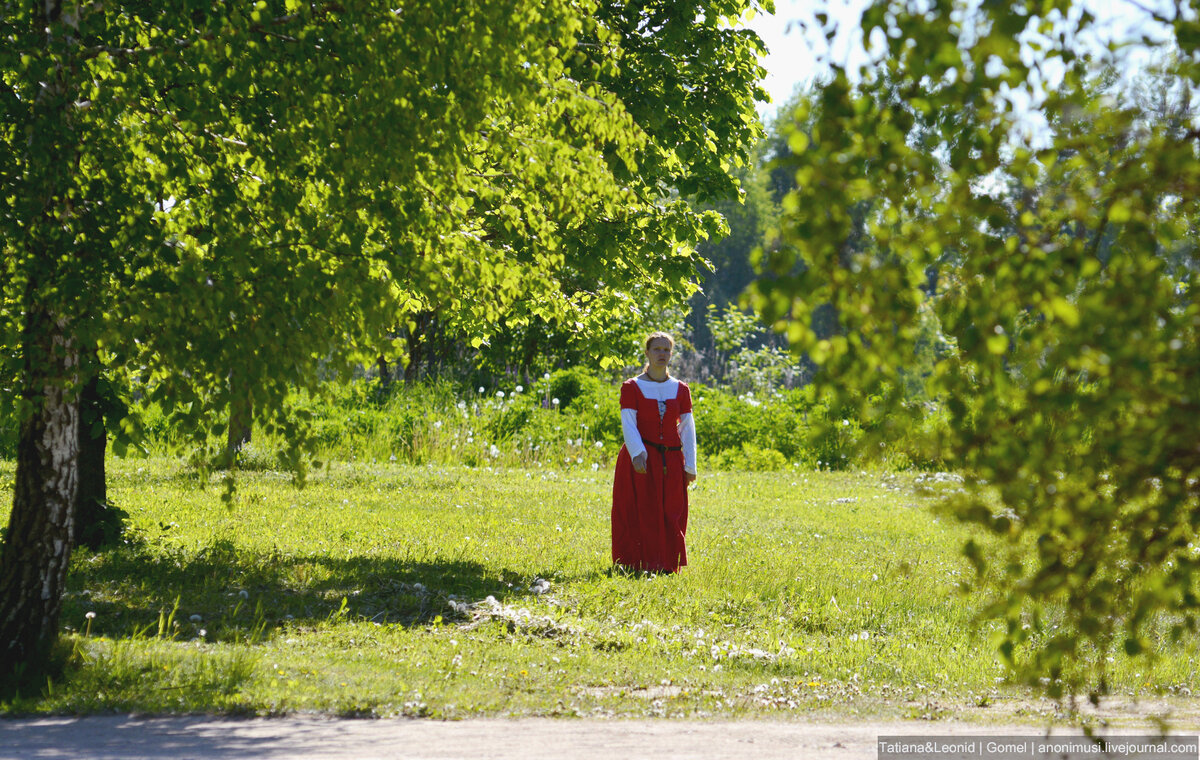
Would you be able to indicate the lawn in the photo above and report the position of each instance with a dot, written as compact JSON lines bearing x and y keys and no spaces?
{"x":388,"y":589}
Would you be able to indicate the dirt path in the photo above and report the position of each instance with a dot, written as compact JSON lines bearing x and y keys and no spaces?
{"x":203,"y":738}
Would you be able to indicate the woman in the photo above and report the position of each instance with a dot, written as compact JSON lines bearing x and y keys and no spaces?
{"x":655,"y":466}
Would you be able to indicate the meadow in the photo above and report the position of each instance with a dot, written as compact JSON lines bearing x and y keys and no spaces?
{"x":383,"y":589}
{"x":447,"y":555}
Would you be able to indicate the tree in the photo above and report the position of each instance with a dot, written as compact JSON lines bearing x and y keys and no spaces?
{"x":222,"y":202}
{"x":688,"y":78}
{"x":1065,"y":274}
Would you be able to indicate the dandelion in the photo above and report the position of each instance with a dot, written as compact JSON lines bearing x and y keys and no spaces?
{"x":546,"y":376}
{"x":244,"y":594}
{"x":90,"y":617}
{"x":554,"y":401}
{"x":196,"y":619}
{"x":599,"y":444}
{"x":518,"y":389}
{"x":481,"y":389}
{"x":499,"y":394}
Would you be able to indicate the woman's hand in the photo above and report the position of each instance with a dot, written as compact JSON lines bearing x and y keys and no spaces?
{"x":689,"y":477}
{"x":639,"y":463}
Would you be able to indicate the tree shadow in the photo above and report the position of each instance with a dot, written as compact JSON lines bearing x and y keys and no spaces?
{"x":223,"y":593}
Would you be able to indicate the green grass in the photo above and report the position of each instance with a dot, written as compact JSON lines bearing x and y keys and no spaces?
{"x":387,"y":589}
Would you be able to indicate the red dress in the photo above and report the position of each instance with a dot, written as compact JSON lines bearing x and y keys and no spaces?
{"x":649,"y":511}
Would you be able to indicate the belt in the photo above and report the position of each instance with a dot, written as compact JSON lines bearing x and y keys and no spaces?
{"x":661,"y":448}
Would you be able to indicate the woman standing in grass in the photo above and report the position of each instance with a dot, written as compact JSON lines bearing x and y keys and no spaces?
{"x":654,"y":467}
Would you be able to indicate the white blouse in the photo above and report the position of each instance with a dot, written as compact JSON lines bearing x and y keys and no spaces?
{"x":660,"y":392}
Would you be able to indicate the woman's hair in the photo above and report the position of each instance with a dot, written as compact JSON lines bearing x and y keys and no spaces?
{"x":653,"y":337}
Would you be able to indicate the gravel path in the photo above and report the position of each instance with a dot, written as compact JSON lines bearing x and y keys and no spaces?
{"x":205,"y":738}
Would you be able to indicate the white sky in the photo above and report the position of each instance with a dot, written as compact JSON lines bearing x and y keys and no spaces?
{"x":792,"y":43}
{"x":794,"y":40}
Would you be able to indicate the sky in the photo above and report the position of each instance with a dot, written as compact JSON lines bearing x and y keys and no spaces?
{"x":794,"y":40}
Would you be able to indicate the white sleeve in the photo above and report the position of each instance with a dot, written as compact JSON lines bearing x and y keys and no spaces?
{"x":687,"y":435}
{"x":633,"y":439}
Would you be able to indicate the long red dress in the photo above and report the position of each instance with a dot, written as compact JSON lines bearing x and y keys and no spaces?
{"x":650,"y":510}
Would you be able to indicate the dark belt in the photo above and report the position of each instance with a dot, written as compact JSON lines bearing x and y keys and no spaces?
{"x":661,"y":448}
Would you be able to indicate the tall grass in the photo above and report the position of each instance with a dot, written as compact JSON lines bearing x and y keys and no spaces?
{"x":568,"y":418}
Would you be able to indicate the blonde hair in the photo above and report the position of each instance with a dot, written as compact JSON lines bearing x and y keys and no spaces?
{"x":653,"y":337}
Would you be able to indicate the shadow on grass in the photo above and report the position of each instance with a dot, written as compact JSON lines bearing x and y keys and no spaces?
{"x":233,"y":594}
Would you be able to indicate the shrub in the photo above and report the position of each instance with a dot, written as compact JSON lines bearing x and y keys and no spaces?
{"x":566,"y":385}
{"x":749,"y":457}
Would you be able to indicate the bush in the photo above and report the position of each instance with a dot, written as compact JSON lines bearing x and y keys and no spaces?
{"x":566,"y":385}
{"x":749,"y":458}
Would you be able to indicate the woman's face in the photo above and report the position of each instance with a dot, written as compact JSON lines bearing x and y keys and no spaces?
{"x":658,"y":354}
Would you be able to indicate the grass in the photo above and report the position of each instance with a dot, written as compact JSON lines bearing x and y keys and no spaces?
{"x":389,"y":589}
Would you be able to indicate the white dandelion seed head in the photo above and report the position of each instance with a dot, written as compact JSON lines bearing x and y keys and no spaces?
{"x":195,"y":618}
{"x":90,"y":616}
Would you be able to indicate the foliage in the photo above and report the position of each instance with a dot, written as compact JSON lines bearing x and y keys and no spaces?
{"x":1058,"y":265}
{"x":749,"y":458}
{"x":566,"y":385}
{"x":749,"y":217}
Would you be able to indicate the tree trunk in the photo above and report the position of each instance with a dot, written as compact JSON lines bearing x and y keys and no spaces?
{"x":416,"y":345}
{"x":241,"y":420}
{"x":41,"y":530}
{"x":97,"y":523}
{"x":385,"y":377}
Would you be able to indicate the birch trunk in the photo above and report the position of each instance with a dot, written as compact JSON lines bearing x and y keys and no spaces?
{"x":41,"y":530}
